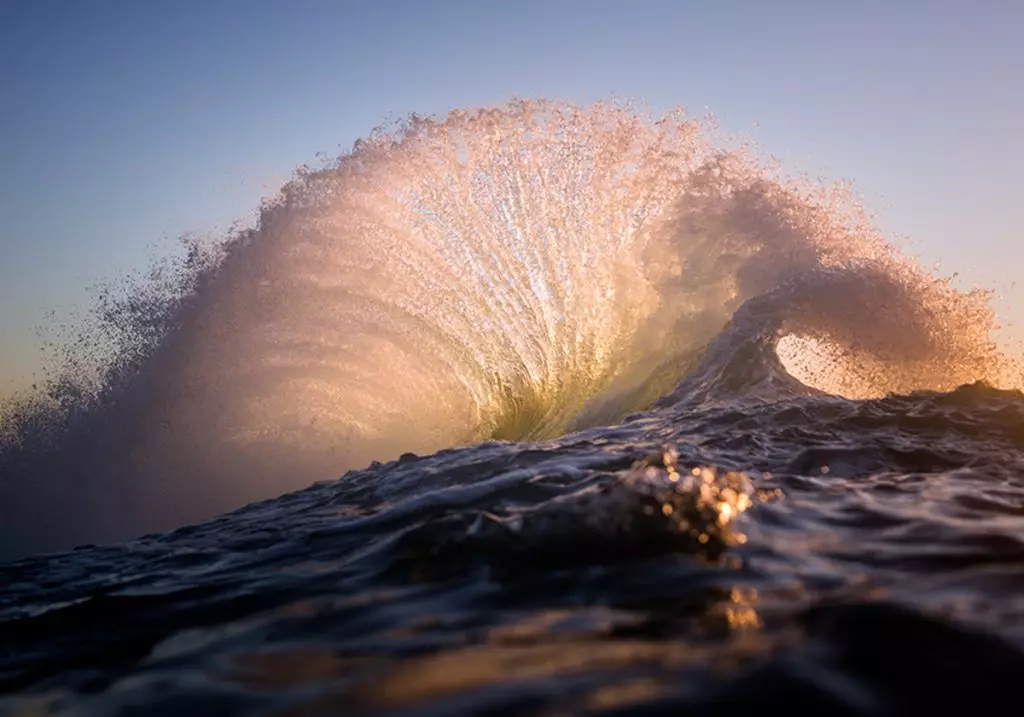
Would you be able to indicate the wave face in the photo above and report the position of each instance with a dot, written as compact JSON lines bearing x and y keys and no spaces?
{"x":510,"y":273}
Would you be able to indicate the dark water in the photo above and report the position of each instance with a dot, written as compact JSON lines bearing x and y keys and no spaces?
{"x":870,"y":560}
{"x":674,"y":525}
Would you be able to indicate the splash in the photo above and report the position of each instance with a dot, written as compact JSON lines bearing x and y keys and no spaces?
{"x":510,"y":273}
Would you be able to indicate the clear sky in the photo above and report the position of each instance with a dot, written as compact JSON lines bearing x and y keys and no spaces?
{"x":124,"y":123}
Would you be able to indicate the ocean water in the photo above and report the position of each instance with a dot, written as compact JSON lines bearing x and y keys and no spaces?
{"x":626,"y":421}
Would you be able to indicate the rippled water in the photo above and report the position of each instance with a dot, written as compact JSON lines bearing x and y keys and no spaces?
{"x":759,"y":460}
{"x":809,"y":552}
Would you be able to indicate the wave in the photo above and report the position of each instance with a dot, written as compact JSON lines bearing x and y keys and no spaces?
{"x":506,"y":273}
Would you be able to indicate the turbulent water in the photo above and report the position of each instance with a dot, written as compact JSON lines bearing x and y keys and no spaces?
{"x":706,"y":441}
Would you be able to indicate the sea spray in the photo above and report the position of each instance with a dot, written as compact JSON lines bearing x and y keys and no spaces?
{"x":512,"y":272}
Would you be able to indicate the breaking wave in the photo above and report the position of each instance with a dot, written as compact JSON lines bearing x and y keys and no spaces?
{"x":509,"y":273}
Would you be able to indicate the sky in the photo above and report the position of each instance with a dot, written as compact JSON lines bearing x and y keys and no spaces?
{"x":124,"y":124}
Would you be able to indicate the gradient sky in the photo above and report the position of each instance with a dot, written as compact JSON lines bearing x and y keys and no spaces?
{"x":124,"y":123}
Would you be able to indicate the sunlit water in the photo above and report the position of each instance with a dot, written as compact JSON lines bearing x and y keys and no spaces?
{"x":636,"y":504}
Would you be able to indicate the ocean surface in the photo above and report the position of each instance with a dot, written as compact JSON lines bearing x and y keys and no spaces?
{"x":626,"y":422}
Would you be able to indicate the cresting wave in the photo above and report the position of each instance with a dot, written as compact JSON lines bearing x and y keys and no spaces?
{"x":507,"y":273}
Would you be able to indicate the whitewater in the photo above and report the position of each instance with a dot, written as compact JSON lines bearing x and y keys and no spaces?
{"x":625,"y":418}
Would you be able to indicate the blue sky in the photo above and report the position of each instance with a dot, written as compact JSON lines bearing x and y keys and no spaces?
{"x":125,"y":123}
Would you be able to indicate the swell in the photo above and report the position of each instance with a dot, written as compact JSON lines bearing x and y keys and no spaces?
{"x":511,"y":273}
